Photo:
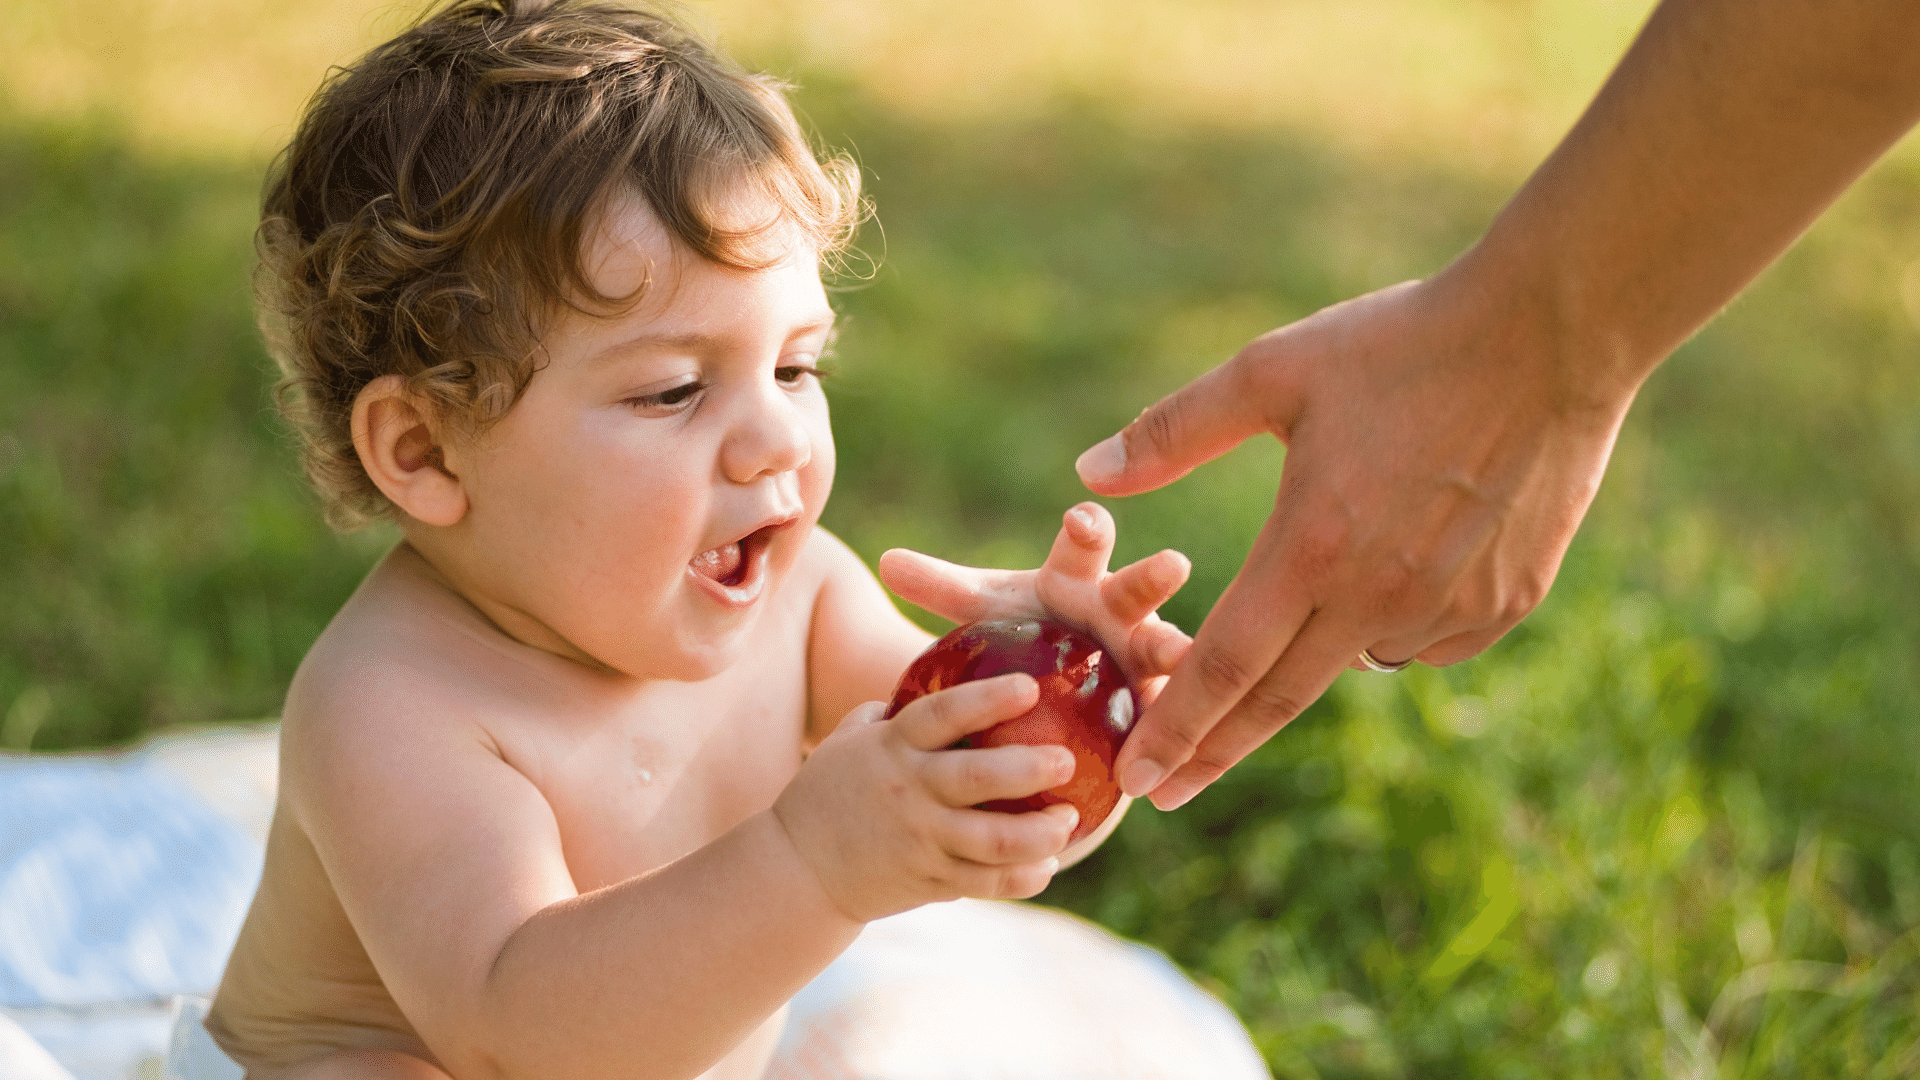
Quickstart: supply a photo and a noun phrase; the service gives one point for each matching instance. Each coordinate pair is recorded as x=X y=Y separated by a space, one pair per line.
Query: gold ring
x=1374 y=663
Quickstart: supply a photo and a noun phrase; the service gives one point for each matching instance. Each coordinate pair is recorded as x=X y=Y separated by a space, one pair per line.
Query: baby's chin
x=692 y=655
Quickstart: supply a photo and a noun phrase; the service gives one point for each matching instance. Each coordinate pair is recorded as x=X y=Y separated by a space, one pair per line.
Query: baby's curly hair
x=429 y=214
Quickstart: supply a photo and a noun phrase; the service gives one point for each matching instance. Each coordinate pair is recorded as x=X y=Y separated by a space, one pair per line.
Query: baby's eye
x=794 y=374
x=669 y=399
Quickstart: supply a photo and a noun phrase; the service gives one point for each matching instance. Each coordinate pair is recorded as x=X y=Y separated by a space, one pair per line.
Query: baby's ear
x=403 y=454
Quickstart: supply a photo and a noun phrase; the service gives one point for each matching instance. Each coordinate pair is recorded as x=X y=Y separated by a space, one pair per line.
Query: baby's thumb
x=862 y=715
x=1189 y=427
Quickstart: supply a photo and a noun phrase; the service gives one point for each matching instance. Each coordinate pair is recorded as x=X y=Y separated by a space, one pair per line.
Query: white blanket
x=124 y=877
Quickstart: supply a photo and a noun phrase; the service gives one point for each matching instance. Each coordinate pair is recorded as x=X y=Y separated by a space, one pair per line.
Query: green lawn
x=1670 y=826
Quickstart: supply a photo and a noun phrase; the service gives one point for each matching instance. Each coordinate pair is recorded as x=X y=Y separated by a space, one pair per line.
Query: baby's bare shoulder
x=406 y=666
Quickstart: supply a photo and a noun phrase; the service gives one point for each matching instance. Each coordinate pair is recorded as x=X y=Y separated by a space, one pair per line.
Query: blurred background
x=1670 y=826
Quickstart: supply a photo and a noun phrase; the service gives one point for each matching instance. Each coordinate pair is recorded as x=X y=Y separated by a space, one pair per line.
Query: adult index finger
x=1241 y=639
x=1189 y=427
x=939 y=719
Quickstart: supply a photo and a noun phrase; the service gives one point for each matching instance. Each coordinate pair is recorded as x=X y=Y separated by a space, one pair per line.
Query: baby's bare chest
x=659 y=778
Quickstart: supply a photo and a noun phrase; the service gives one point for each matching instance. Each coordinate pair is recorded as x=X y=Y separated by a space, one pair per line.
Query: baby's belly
x=299 y=983
x=268 y=1016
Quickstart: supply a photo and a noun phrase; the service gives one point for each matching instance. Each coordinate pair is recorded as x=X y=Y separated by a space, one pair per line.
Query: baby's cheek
x=816 y=478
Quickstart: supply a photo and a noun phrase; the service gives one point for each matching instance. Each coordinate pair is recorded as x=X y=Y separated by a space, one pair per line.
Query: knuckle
x=1256 y=373
x=940 y=707
x=1510 y=613
x=1403 y=591
x=1004 y=842
x=1160 y=426
x=1531 y=592
x=1219 y=755
x=973 y=772
x=1221 y=673
x=1179 y=742
x=1000 y=849
x=1320 y=548
x=1207 y=767
x=1020 y=882
x=941 y=887
x=1139 y=590
x=1272 y=702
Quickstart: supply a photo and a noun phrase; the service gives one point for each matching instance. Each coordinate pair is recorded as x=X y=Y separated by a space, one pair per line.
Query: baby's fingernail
x=1084 y=518
x=1105 y=461
x=1141 y=777
x=1053 y=867
x=1170 y=569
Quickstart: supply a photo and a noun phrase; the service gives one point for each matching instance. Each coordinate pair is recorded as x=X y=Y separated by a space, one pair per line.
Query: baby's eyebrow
x=696 y=340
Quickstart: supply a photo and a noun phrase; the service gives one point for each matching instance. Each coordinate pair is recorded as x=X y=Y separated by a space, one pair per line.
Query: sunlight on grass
x=1383 y=76
x=1665 y=828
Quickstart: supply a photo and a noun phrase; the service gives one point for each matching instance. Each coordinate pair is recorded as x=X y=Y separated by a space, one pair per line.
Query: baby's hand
x=883 y=812
x=1073 y=586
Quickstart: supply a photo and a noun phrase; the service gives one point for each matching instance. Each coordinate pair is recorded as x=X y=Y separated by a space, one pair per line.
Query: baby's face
x=647 y=495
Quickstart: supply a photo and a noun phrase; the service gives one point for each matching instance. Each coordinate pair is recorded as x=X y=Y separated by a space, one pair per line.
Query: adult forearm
x=661 y=976
x=1726 y=129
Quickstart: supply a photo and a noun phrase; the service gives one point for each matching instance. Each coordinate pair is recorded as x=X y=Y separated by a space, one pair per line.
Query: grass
x=1667 y=827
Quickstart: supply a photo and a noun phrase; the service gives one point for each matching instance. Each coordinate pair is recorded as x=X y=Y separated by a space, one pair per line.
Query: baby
x=588 y=777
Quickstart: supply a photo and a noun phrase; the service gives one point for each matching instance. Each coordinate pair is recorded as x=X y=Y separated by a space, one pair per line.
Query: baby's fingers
x=1156 y=649
x=1084 y=543
x=1137 y=590
x=952 y=591
x=966 y=777
x=939 y=719
x=993 y=839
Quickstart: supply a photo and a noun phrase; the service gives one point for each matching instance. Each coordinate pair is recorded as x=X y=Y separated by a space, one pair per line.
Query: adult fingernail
x=1141 y=777
x=1172 y=800
x=1105 y=461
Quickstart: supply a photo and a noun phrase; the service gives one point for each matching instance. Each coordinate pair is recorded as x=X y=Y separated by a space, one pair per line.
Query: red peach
x=1086 y=704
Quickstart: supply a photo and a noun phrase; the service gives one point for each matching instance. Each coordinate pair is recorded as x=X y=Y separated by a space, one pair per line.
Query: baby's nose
x=771 y=438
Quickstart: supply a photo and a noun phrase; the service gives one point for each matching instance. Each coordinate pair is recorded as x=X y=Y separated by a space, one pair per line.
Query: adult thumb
x=1188 y=428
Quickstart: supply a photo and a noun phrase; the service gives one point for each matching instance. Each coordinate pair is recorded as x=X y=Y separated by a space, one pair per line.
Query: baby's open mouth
x=726 y=564
x=734 y=565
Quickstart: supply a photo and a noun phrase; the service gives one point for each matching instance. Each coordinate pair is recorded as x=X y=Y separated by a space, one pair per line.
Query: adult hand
x=1438 y=464
x=1445 y=437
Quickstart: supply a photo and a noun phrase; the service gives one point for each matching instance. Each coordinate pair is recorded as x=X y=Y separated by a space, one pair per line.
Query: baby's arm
x=450 y=865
